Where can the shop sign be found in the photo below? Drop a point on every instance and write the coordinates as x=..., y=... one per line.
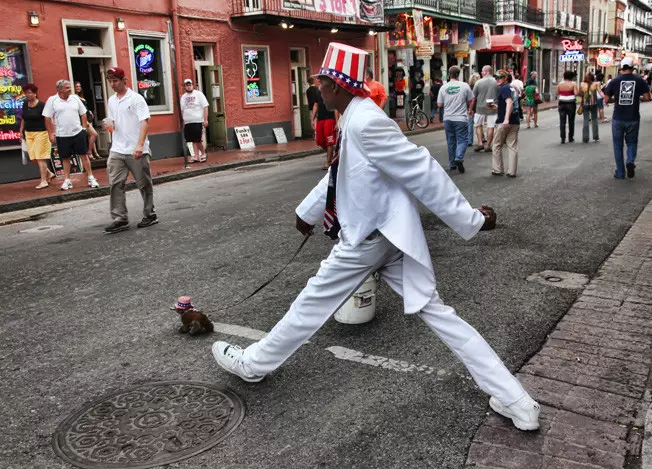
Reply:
x=144, y=58
x=366, y=10
x=245, y=140
x=417, y=17
x=14, y=74
x=425, y=50
x=487, y=35
x=572, y=51
x=253, y=74
x=461, y=54
x=605, y=58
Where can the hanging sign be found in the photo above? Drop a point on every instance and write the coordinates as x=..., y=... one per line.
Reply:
x=245, y=140
x=605, y=58
x=425, y=50
x=366, y=10
x=417, y=17
x=487, y=35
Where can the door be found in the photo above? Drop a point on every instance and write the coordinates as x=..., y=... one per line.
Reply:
x=297, y=61
x=214, y=86
x=306, y=127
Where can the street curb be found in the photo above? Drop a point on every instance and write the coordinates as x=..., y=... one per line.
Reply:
x=646, y=450
x=103, y=191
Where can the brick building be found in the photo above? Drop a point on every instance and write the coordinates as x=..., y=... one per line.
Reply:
x=252, y=59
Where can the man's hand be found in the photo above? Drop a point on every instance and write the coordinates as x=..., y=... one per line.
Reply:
x=505, y=124
x=304, y=227
x=205, y=123
x=489, y=218
x=138, y=152
x=53, y=139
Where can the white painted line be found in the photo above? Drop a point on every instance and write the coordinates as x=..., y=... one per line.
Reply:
x=382, y=362
x=240, y=331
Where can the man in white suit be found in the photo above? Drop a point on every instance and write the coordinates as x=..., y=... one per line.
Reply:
x=377, y=177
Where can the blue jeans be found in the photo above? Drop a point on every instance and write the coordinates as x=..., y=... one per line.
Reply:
x=456, y=137
x=624, y=132
x=470, y=131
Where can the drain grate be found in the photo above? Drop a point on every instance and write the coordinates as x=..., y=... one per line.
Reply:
x=149, y=425
x=560, y=279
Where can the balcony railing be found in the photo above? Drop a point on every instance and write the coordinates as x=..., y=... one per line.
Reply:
x=244, y=8
x=511, y=12
x=479, y=10
x=646, y=25
x=596, y=39
x=566, y=22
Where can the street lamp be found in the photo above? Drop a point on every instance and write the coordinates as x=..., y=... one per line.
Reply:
x=334, y=30
x=120, y=24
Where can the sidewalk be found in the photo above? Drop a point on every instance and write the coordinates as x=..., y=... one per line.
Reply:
x=591, y=376
x=22, y=195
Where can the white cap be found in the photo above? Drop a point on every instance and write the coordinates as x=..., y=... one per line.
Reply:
x=627, y=62
x=186, y=81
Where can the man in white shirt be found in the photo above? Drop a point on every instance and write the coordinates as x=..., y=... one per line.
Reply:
x=129, y=114
x=65, y=118
x=194, y=107
x=518, y=85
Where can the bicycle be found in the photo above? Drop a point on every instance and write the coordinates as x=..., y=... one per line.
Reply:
x=416, y=115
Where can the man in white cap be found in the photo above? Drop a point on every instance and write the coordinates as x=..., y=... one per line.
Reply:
x=627, y=90
x=376, y=177
x=194, y=108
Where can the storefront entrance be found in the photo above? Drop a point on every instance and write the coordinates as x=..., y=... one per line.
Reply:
x=90, y=73
x=298, y=62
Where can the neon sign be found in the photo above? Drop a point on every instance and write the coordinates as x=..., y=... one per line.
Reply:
x=14, y=74
x=572, y=51
x=144, y=58
x=570, y=45
x=605, y=58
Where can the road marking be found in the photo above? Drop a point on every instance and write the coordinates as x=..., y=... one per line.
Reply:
x=387, y=363
x=240, y=331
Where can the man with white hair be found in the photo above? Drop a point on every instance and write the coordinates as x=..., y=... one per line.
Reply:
x=485, y=96
x=66, y=120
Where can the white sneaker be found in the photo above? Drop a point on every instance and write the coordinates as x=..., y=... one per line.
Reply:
x=229, y=357
x=67, y=185
x=92, y=182
x=524, y=412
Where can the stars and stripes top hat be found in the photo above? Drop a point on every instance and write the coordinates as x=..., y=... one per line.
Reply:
x=184, y=302
x=346, y=66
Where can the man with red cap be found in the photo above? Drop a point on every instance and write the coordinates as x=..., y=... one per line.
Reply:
x=129, y=116
x=368, y=202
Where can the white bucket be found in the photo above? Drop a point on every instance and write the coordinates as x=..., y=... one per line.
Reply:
x=361, y=307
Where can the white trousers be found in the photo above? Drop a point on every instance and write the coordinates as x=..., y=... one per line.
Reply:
x=339, y=276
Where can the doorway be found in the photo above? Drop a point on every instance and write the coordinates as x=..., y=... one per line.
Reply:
x=203, y=58
x=298, y=63
x=90, y=73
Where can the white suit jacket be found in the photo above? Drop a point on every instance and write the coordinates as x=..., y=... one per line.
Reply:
x=381, y=175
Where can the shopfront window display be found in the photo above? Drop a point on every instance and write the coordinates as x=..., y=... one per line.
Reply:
x=149, y=53
x=14, y=74
x=257, y=80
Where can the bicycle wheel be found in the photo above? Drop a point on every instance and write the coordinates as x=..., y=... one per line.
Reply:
x=410, y=121
x=422, y=120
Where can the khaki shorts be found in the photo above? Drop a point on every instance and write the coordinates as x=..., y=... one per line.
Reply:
x=484, y=119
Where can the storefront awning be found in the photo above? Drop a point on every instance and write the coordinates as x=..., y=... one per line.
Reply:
x=506, y=43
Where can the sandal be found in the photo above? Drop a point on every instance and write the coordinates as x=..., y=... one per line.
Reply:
x=42, y=185
x=51, y=176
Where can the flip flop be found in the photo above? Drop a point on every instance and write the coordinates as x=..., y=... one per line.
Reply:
x=42, y=185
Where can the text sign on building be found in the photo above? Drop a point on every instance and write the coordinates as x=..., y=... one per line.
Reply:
x=14, y=74
x=245, y=140
x=572, y=51
x=605, y=58
x=425, y=50
x=366, y=10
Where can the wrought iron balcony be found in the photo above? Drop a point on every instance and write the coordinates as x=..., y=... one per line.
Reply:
x=641, y=24
x=566, y=22
x=480, y=11
x=596, y=39
x=513, y=12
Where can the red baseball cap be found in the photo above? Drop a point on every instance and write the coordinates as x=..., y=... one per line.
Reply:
x=116, y=72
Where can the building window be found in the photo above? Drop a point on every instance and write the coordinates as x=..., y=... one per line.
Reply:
x=257, y=74
x=150, y=70
x=14, y=74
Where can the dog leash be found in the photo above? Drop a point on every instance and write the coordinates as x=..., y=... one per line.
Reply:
x=303, y=243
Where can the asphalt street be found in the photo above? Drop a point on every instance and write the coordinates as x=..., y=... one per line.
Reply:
x=86, y=314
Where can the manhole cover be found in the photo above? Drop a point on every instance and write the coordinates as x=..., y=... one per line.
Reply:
x=40, y=229
x=256, y=166
x=150, y=425
x=560, y=279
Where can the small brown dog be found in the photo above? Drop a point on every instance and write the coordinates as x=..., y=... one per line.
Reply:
x=193, y=321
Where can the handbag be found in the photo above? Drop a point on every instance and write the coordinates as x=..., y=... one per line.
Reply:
x=580, y=110
x=537, y=98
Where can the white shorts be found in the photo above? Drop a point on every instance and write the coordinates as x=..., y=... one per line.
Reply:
x=484, y=119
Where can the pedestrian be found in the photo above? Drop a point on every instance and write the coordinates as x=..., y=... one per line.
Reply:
x=129, y=116
x=434, y=93
x=588, y=93
x=455, y=98
x=35, y=134
x=194, y=108
x=375, y=218
x=627, y=90
x=378, y=93
x=567, y=91
x=312, y=94
x=473, y=79
x=531, y=104
x=507, y=126
x=485, y=94
x=65, y=110
x=325, y=128
x=90, y=129
x=517, y=84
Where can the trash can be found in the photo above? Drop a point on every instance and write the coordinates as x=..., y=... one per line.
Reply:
x=361, y=307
